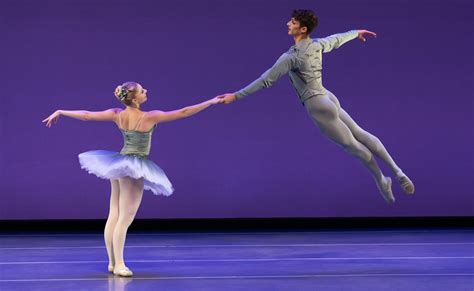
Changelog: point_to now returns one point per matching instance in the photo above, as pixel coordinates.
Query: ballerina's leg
(112, 221)
(131, 192)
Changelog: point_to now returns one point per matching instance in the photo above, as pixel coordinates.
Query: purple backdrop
(261, 157)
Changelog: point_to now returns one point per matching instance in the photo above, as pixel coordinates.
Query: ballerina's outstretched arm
(106, 115)
(158, 116)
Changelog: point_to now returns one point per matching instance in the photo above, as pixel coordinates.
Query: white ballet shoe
(110, 267)
(406, 184)
(123, 272)
(386, 190)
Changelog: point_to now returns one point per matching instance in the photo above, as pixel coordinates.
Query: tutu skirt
(113, 165)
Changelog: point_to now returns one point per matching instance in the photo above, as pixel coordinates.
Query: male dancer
(303, 63)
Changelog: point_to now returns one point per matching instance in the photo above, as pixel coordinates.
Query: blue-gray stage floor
(301, 260)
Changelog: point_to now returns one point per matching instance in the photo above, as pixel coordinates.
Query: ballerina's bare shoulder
(129, 121)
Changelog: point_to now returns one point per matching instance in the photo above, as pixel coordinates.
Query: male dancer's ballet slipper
(386, 191)
(406, 184)
(111, 268)
(123, 272)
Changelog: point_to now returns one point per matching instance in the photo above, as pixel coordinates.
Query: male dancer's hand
(362, 33)
(228, 98)
(216, 100)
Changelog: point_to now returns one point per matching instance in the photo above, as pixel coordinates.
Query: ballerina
(129, 171)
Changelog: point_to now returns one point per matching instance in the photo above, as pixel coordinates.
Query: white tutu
(113, 165)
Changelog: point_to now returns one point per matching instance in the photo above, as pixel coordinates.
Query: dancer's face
(140, 94)
(294, 28)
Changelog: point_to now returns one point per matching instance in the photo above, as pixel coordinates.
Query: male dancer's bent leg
(374, 145)
(325, 114)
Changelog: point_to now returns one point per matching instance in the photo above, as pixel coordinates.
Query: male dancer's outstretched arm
(287, 62)
(337, 40)
(281, 67)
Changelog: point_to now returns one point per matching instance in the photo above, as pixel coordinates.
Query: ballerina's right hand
(216, 100)
(52, 118)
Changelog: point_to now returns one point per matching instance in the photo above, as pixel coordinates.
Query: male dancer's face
(294, 28)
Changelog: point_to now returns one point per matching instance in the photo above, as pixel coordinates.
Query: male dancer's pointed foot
(385, 188)
(405, 182)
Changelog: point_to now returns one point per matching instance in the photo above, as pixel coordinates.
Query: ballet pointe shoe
(386, 190)
(406, 184)
(123, 272)
(110, 267)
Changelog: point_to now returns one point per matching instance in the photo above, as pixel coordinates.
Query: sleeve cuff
(354, 33)
(239, 95)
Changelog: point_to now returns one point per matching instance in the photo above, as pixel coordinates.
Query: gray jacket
(303, 63)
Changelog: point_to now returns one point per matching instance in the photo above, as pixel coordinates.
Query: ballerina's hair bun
(121, 93)
(126, 92)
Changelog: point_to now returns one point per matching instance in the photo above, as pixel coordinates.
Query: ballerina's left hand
(362, 33)
(52, 118)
